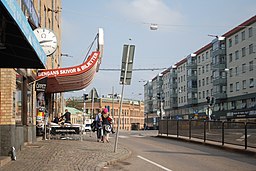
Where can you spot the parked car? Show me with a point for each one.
(87, 127)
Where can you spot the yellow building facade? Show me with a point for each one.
(18, 74)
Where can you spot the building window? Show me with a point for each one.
(18, 99)
(250, 32)
(207, 80)
(233, 105)
(230, 42)
(237, 55)
(250, 48)
(237, 86)
(231, 87)
(206, 55)
(237, 71)
(202, 69)
(231, 72)
(230, 57)
(243, 35)
(199, 95)
(236, 39)
(207, 68)
(251, 66)
(243, 68)
(251, 82)
(244, 84)
(243, 52)
(202, 57)
(199, 83)
(203, 82)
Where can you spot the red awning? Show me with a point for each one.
(71, 78)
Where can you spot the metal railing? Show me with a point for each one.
(236, 133)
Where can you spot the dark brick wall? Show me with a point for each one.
(7, 139)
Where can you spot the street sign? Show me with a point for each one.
(127, 64)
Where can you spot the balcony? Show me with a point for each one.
(173, 86)
(173, 95)
(220, 95)
(192, 101)
(219, 65)
(192, 66)
(190, 90)
(192, 77)
(219, 81)
(219, 52)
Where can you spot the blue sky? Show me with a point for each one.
(183, 28)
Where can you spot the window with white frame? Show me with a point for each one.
(251, 66)
(244, 84)
(237, 70)
(250, 48)
(230, 42)
(207, 68)
(243, 52)
(251, 82)
(243, 68)
(243, 35)
(230, 57)
(231, 72)
(237, 55)
(237, 86)
(236, 39)
(250, 32)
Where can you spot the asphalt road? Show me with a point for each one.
(153, 154)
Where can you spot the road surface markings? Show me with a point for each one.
(158, 165)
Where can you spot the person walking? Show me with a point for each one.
(98, 126)
(106, 125)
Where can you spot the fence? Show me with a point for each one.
(236, 133)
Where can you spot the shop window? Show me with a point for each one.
(18, 99)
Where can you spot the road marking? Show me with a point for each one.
(158, 165)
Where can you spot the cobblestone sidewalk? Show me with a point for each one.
(67, 155)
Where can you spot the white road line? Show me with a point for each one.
(158, 165)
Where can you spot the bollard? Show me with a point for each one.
(13, 153)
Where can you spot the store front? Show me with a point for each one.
(20, 52)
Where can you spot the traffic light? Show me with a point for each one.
(85, 97)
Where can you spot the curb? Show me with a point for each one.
(113, 161)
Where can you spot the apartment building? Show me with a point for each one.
(217, 81)
(132, 116)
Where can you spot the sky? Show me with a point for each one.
(184, 27)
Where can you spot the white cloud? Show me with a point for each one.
(148, 11)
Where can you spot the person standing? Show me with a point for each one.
(67, 116)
